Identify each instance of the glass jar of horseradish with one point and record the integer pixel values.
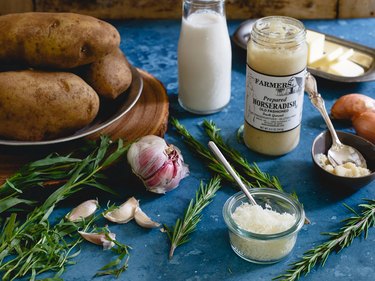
(275, 76)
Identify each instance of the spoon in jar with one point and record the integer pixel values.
(339, 153)
(230, 170)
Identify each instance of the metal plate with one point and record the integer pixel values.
(109, 112)
(363, 55)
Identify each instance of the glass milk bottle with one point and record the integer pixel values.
(275, 76)
(204, 57)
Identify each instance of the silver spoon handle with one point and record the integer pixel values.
(318, 102)
(230, 170)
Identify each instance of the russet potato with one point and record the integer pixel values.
(55, 40)
(109, 76)
(40, 105)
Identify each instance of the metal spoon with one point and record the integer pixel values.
(339, 153)
(230, 170)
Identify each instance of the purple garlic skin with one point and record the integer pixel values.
(159, 165)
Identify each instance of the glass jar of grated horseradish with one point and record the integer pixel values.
(275, 76)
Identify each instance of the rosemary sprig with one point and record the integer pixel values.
(179, 233)
(33, 246)
(354, 227)
(204, 153)
(251, 175)
(260, 179)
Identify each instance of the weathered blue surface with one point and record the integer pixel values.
(152, 46)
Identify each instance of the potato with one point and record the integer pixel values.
(38, 105)
(364, 125)
(56, 40)
(109, 76)
(351, 105)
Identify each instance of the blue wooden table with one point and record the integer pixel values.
(152, 46)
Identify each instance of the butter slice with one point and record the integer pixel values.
(315, 43)
(362, 59)
(346, 68)
(324, 62)
(346, 55)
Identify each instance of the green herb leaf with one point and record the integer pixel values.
(33, 246)
(251, 175)
(179, 234)
(103, 187)
(7, 203)
(354, 227)
(118, 265)
(203, 152)
(254, 175)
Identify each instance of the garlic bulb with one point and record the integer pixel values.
(159, 165)
(83, 210)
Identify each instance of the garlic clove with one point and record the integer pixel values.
(143, 220)
(124, 213)
(83, 210)
(99, 239)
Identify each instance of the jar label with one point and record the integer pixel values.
(274, 103)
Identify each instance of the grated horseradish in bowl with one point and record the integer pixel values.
(265, 233)
(348, 175)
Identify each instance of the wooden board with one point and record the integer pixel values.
(300, 9)
(148, 116)
(164, 9)
(356, 8)
(168, 9)
(16, 6)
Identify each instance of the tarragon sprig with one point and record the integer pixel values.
(354, 227)
(37, 246)
(179, 233)
(55, 170)
(120, 263)
(33, 246)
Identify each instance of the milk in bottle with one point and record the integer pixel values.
(204, 58)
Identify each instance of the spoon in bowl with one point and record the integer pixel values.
(230, 170)
(339, 153)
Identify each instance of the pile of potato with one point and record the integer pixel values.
(63, 61)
